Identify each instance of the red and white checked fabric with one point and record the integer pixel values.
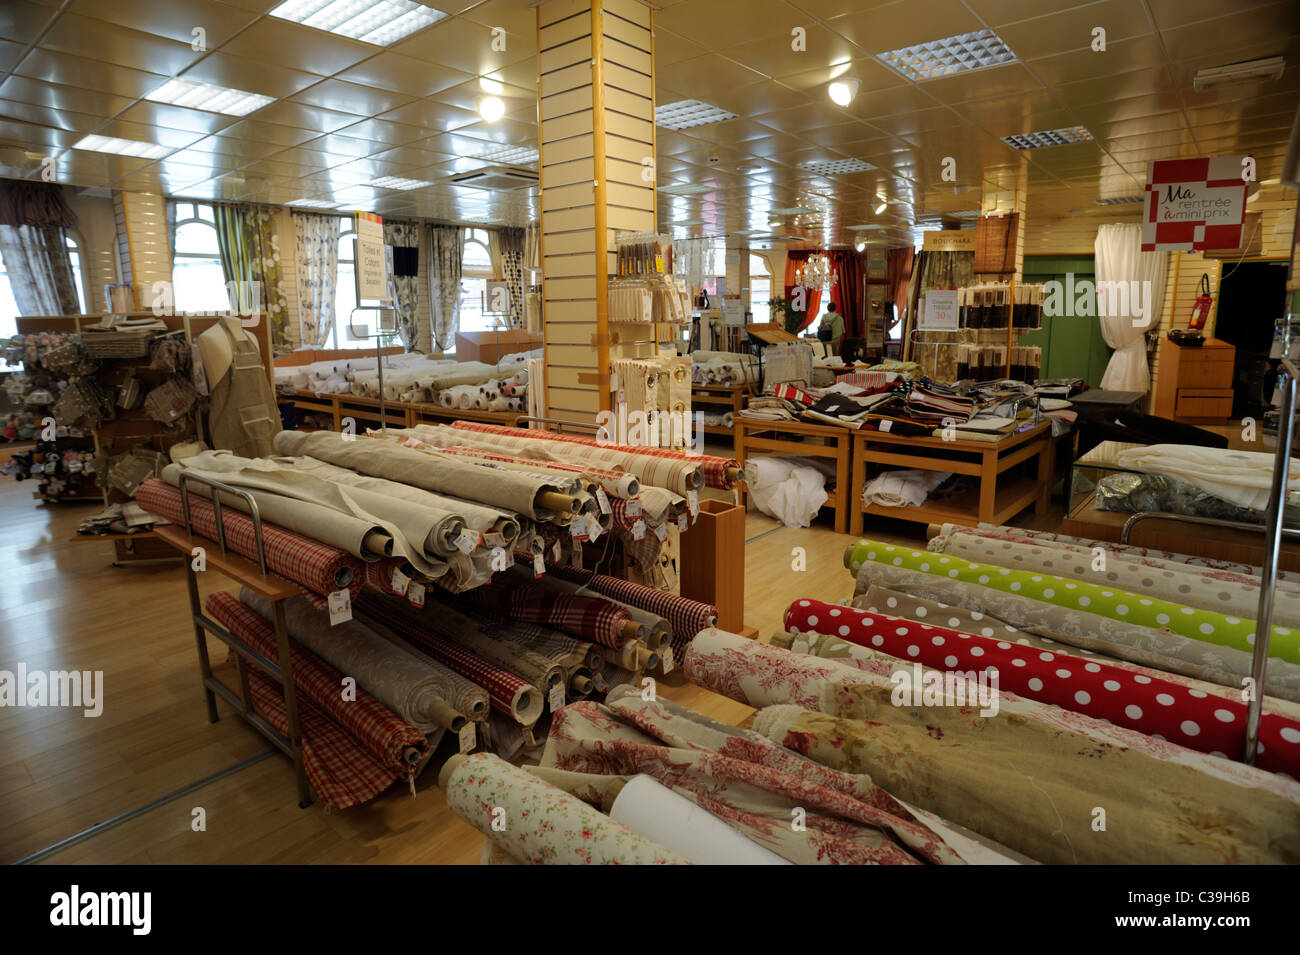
(299, 559)
(591, 618)
(341, 773)
(503, 687)
(379, 730)
(686, 617)
(866, 380)
(794, 393)
(712, 469)
(1215, 180)
(1142, 701)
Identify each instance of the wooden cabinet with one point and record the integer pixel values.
(1194, 385)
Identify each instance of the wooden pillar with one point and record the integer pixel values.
(595, 100)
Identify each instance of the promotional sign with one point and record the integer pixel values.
(940, 309)
(1195, 204)
(733, 310)
(948, 240)
(372, 263)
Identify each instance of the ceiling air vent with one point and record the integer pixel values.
(496, 178)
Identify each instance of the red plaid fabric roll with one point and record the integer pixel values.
(384, 734)
(866, 380)
(712, 469)
(510, 694)
(341, 773)
(298, 559)
(1141, 701)
(590, 618)
(793, 393)
(687, 617)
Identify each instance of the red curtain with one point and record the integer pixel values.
(812, 297)
(899, 273)
(847, 293)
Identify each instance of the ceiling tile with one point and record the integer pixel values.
(405, 74)
(1259, 32)
(1071, 29)
(259, 131)
(174, 19)
(772, 55)
(717, 20)
(109, 43)
(23, 89)
(431, 115)
(904, 23)
(22, 22)
(351, 98)
(378, 130)
(44, 116)
(193, 120)
(69, 70)
(313, 118)
(298, 47)
(462, 45)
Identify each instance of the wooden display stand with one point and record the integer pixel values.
(720, 398)
(713, 563)
(1194, 384)
(986, 460)
(820, 441)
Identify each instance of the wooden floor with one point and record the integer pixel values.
(64, 606)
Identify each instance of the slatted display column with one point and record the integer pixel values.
(596, 113)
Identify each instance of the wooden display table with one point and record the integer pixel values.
(720, 398)
(399, 414)
(819, 441)
(987, 460)
(426, 413)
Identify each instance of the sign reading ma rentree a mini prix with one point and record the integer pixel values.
(1194, 204)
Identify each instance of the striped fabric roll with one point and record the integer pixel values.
(299, 559)
(591, 618)
(794, 393)
(926, 404)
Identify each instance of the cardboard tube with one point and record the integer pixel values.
(580, 684)
(377, 542)
(557, 502)
(646, 659)
(447, 717)
(735, 475)
(607, 797)
(658, 637)
(633, 631)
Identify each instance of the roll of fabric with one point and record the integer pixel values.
(510, 694)
(299, 559)
(341, 772)
(543, 825)
(613, 482)
(1035, 788)
(1209, 719)
(658, 630)
(421, 691)
(1177, 583)
(447, 399)
(1113, 603)
(758, 674)
(394, 742)
(687, 617)
(591, 618)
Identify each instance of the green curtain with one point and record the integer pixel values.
(250, 258)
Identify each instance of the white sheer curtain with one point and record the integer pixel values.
(444, 281)
(1130, 301)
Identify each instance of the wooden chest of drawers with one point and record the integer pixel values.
(1194, 385)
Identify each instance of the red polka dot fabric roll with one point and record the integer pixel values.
(1193, 718)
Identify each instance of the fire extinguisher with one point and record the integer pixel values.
(1201, 308)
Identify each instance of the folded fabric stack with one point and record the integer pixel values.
(725, 368)
(903, 488)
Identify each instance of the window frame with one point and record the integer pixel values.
(195, 218)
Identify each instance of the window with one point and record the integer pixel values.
(760, 287)
(198, 283)
(8, 315)
(475, 270)
(345, 289)
(74, 253)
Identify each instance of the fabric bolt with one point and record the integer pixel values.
(590, 618)
(1175, 583)
(1243, 478)
(511, 490)
(296, 558)
(543, 825)
(687, 617)
(341, 772)
(905, 488)
(419, 690)
(1141, 701)
(613, 482)
(1114, 604)
(510, 694)
(742, 779)
(658, 630)
(384, 734)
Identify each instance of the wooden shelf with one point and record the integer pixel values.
(1011, 498)
(241, 571)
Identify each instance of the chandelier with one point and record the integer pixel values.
(816, 272)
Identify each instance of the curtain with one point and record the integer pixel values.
(898, 271)
(511, 241)
(533, 245)
(848, 293)
(934, 270)
(444, 283)
(1129, 310)
(494, 253)
(812, 297)
(250, 256)
(403, 242)
(34, 220)
(317, 242)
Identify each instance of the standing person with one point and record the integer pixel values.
(831, 328)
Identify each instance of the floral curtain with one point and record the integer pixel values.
(250, 256)
(317, 241)
(445, 241)
(934, 270)
(403, 242)
(511, 241)
(33, 243)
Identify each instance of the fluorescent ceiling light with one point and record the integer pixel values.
(1250, 71)
(688, 113)
(491, 108)
(843, 90)
(687, 223)
(123, 147)
(381, 22)
(393, 182)
(507, 155)
(313, 203)
(881, 206)
(1119, 200)
(836, 167)
(863, 228)
(685, 189)
(205, 96)
(953, 54)
(792, 211)
(1049, 137)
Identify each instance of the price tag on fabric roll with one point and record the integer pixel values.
(693, 502)
(579, 527)
(661, 532)
(400, 581)
(468, 738)
(638, 531)
(340, 604)
(633, 508)
(683, 523)
(467, 541)
(886, 425)
(557, 696)
(667, 659)
(494, 539)
(415, 593)
(603, 499)
(539, 565)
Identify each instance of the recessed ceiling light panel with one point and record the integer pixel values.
(685, 189)
(1119, 200)
(836, 167)
(507, 155)
(205, 96)
(1049, 137)
(953, 54)
(393, 182)
(313, 203)
(122, 147)
(689, 113)
(381, 22)
(793, 211)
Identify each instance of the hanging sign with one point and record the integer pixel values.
(940, 308)
(733, 310)
(1195, 204)
(948, 240)
(372, 263)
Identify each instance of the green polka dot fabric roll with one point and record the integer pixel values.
(1206, 625)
